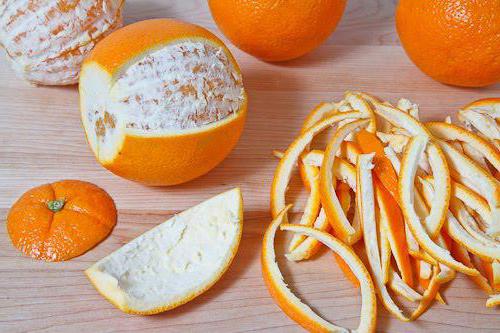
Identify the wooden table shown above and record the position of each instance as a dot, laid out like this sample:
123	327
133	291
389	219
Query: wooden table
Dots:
41	141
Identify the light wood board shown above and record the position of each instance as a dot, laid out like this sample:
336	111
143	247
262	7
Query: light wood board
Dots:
41	140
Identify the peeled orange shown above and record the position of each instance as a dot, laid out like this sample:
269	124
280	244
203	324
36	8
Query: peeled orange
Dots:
162	102
47	41
277	30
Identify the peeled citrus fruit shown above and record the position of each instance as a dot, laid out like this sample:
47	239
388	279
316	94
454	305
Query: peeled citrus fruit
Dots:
62	220
454	42
162	102
277	30
47	41
174	262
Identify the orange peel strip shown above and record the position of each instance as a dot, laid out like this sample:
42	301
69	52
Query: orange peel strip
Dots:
479	178
291	304
365	199
391	213
415	148
329	200
493	301
453	132
310	246
347	174
460	253
312	207
457	232
358	103
285	167
439	208
401	288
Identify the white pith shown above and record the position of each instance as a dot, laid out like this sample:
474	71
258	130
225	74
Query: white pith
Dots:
174	261
47	41
181	87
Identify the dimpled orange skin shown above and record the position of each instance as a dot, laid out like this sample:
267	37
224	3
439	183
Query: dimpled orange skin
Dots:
87	217
454	42
165	159
277	30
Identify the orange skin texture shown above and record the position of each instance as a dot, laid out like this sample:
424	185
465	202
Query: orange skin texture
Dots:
176	159
454	42
277	30
87	218
165	159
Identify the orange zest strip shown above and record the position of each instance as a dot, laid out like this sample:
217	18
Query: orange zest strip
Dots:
370	143
396	231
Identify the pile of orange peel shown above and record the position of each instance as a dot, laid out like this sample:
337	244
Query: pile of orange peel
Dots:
403	204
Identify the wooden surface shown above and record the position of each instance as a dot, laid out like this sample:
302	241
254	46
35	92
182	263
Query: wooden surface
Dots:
41	141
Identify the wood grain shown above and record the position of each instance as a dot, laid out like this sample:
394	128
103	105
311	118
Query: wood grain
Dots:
41	140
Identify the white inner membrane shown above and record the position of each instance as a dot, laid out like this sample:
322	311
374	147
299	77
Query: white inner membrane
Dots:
175	259
181	86
46	41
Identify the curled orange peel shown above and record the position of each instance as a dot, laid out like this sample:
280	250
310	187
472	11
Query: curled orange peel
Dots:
471	174
460	253
312	207
365	199
493	301
415	148
285	167
455	230
329	200
450	132
291	304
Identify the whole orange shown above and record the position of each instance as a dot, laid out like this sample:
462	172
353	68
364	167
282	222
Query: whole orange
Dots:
62	220
277	30
454	42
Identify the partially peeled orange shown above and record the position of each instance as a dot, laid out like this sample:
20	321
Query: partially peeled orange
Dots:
162	102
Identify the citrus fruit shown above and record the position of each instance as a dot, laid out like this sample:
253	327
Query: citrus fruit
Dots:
174	262
61	220
162	102
277	30
47	41
454	42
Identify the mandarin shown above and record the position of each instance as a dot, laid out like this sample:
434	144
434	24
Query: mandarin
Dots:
277	30
61	220
454	42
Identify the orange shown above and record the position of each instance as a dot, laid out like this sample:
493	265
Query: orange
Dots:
277	30
162	102
47	41
62	220
454	42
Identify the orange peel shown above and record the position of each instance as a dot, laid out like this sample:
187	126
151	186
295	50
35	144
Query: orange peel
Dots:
493	301
285	167
312	207
450	132
365	199
415	148
329	200
291	304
